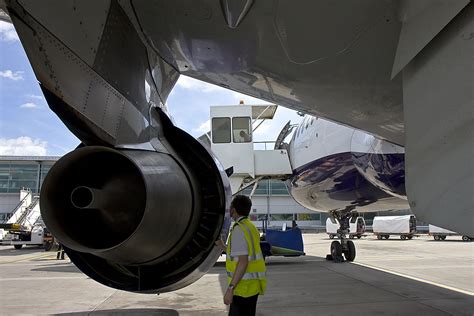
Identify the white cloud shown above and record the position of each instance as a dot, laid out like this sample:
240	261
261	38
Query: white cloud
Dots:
17	75
203	128
34	96
22	146
7	32
197	85
29	105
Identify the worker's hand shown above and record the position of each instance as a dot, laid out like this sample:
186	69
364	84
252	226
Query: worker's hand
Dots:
221	244
228	297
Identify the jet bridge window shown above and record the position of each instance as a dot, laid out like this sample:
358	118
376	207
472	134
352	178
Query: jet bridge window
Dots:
241	129
221	130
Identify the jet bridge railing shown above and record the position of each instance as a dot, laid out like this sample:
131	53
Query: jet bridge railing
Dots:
263	145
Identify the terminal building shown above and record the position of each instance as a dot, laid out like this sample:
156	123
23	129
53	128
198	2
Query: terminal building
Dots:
21	172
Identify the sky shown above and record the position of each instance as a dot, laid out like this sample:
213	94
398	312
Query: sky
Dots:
29	127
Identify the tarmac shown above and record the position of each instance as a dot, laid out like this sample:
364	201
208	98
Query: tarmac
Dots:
389	277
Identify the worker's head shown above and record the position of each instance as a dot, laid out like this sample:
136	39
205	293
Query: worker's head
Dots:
240	206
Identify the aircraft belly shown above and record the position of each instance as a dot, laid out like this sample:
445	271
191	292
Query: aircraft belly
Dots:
338	59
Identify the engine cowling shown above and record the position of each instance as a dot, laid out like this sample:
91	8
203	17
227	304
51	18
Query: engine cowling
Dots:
140	221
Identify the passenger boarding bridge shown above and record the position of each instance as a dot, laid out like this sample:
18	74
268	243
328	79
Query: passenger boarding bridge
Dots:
231	140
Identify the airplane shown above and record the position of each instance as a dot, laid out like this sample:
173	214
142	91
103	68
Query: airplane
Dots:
344	171
398	70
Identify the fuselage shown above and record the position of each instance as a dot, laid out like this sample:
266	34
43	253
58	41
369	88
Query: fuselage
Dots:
337	167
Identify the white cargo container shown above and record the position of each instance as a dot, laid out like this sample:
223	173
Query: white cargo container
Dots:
439	233
356	229
404	226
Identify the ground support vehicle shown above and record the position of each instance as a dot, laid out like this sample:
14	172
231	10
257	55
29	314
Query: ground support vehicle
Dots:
356	229
439	233
386	226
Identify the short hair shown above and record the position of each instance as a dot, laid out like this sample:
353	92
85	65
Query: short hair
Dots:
242	204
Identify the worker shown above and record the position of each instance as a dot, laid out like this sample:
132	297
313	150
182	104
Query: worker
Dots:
244	137
244	261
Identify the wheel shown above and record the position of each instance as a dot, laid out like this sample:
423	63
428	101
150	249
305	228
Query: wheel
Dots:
436	237
351	236
331	236
336	249
409	237
387	236
403	237
379	237
359	236
442	237
17	246
350	253
465	238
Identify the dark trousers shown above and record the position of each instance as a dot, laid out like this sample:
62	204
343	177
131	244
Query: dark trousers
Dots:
243	306
60	252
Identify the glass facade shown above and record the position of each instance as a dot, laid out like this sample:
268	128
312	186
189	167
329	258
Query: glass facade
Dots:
15	175
268	187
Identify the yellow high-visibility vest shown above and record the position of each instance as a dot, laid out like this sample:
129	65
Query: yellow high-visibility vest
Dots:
254	280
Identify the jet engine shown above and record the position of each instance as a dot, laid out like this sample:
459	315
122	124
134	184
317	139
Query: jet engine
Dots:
136	220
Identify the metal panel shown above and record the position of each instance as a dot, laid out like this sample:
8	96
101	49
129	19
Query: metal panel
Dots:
422	20
78	24
439	115
272	162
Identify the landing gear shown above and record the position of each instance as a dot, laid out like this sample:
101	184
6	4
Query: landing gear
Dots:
344	246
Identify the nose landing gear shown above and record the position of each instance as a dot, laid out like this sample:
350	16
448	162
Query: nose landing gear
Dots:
344	246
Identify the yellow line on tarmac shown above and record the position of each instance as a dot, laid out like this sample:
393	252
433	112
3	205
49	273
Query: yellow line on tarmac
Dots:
415	278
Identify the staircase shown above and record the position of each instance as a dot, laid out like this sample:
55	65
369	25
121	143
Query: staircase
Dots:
22	219
13	216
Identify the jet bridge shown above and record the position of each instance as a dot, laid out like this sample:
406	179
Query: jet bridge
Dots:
232	141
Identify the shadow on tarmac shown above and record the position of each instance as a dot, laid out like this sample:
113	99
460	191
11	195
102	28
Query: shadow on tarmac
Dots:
131	311
59	267
10	251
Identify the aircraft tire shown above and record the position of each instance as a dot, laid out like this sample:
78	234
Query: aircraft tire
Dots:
403	237
17	247
379	237
359	236
436	237
465	238
350	253
336	249
331	236
443	237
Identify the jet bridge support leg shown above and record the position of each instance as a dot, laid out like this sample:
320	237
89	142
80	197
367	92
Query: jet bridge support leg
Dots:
344	246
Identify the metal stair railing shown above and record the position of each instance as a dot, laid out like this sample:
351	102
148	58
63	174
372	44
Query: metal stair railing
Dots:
28	210
15	209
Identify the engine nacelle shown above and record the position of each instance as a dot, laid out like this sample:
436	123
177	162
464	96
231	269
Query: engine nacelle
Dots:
135	220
